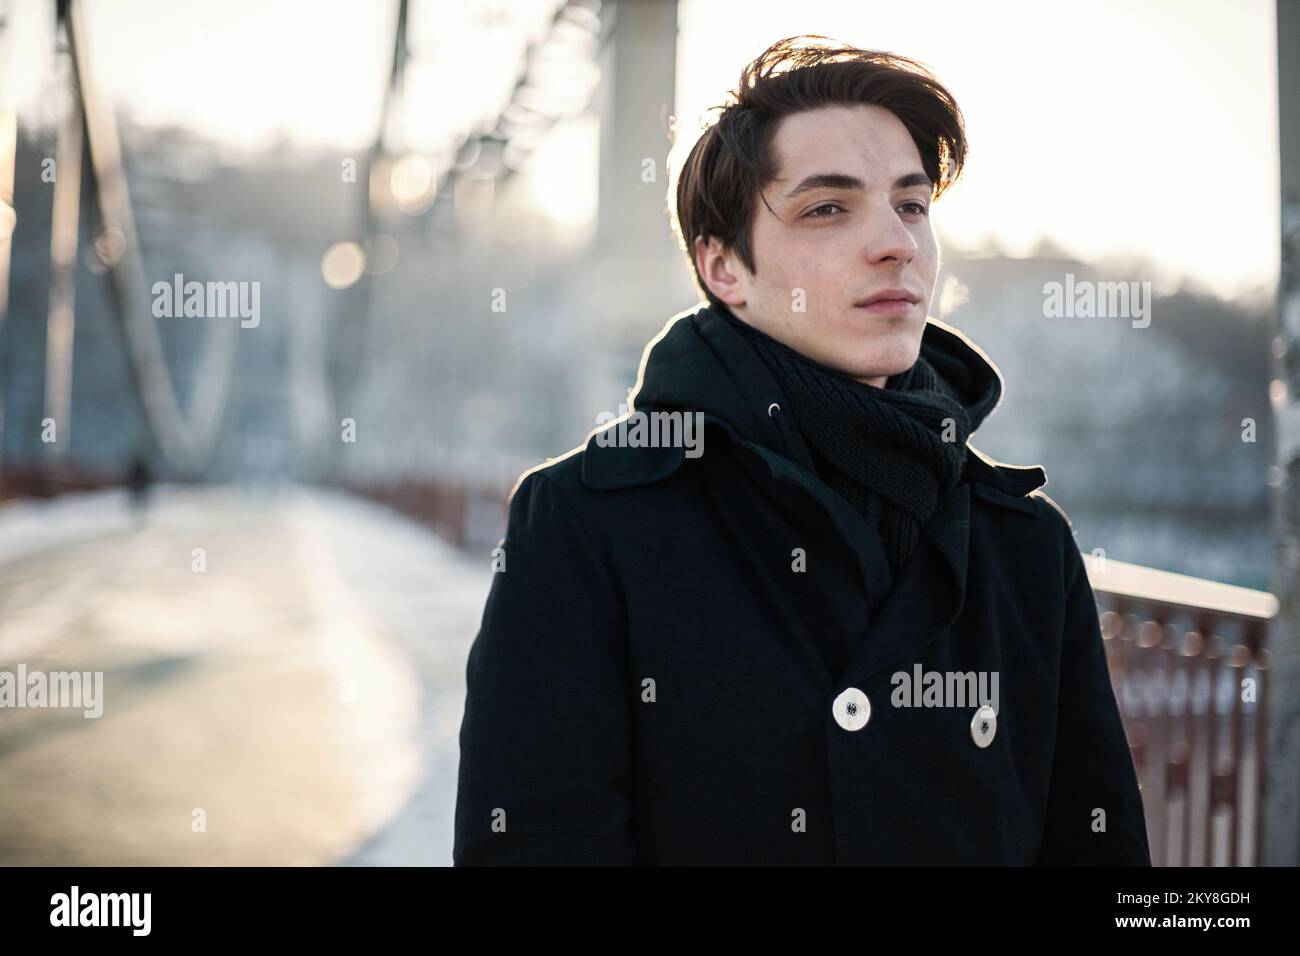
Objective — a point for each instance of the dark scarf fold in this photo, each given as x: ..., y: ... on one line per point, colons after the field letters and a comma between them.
x: 881, y: 448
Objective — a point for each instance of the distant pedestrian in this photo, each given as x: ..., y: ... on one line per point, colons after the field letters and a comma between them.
x: 137, y: 486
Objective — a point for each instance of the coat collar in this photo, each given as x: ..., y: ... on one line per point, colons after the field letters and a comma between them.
x: 608, y: 468
x: 698, y: 362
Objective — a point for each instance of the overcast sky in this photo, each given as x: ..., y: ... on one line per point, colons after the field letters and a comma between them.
x: 1113, y: 127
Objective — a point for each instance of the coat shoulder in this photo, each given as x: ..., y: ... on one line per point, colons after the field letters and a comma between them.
x: 1051, y: 528
x: 1036, y: 503
x: 563, y: 470
x: 603, y: 465
x: 1052, y: 510
x: 1072, y: 555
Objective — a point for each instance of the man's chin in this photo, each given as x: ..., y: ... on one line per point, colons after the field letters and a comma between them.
x: 879, y: 362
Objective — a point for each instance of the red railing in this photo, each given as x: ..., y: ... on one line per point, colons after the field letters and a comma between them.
x: 465, y: 515
x: 1189, y: 664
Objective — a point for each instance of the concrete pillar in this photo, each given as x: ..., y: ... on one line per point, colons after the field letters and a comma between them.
x: 638, y: 278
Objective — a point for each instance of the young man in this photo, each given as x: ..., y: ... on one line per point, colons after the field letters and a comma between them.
x: 840, y: 635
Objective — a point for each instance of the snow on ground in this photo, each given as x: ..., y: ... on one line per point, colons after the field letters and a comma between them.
x: 429, y: 599
x: 305, y: 689
x: 31, y: 525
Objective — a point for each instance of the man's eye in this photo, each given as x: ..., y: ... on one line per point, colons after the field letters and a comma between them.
x: 830, y: 205
x: 917, y: 208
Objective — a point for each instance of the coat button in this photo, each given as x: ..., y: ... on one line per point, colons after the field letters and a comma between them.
x: 984, y: 726
x: 852, y: 710
x: 773, y: 410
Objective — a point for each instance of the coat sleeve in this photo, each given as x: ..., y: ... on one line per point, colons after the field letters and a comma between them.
x: 545, y: 772
x: 1092, y: 768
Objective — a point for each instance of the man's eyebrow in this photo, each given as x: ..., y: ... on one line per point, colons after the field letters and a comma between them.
x: 845, y: 181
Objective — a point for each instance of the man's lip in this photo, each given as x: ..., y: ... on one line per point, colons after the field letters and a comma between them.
x: 890, y: 295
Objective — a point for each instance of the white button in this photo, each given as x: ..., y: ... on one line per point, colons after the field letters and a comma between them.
x: 984, y: 726
x: 852, y: 709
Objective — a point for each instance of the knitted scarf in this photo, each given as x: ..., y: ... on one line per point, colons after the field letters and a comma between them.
x: 882, y: 449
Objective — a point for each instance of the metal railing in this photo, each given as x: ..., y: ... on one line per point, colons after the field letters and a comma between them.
x: 1189, y: 664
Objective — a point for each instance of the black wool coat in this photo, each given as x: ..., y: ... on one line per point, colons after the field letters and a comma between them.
x: 695, y: 659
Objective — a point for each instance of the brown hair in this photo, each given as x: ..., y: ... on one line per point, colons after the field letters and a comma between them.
x: 732, y: 161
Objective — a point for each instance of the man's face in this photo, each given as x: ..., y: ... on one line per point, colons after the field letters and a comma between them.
x: 849, y: 219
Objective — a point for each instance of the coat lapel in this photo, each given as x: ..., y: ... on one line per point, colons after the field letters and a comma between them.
x: 931, y: 588
x: 928, y: 595
x: 867, y: 548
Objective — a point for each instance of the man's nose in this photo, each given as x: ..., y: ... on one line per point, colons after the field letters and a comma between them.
x: 887, y: 237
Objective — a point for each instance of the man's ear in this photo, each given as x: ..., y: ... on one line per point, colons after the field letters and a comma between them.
x: 718, y: 272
